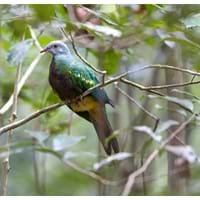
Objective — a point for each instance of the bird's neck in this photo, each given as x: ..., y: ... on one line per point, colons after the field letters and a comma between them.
x: 62, y: 61
x: 65, y: 56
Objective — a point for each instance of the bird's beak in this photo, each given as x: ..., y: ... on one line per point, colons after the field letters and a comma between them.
x: 43, y: 50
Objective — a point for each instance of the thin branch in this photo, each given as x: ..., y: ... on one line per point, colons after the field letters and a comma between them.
x: 152, y: 156
x: 15, y: 93
x: 159, y: 66
x: 87, y: 92
x: 29, y: 118
x: 34, y: 37
x: 79, y: 55
x: 91, y: 174
x: 6, y: 159
x: 162, y: 86
x: 138, y: 105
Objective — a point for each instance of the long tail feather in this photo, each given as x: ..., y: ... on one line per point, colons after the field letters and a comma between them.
x: 102, y: 126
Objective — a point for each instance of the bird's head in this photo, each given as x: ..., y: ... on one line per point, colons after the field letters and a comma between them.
x: 56, y: 48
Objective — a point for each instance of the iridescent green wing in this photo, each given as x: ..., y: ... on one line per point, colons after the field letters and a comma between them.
x: 82, y: 77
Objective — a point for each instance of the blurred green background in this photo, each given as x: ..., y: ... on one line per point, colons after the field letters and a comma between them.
x: 115, y: 38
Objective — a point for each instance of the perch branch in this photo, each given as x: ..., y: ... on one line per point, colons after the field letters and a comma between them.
x: 112, y: 80
x: 29, y: 118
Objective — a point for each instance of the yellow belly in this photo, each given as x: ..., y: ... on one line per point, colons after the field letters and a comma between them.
x: 86, y: 104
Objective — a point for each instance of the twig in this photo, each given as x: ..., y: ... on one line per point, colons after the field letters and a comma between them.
x: 5, y: 162
x: 79, y: 55
x: 29, y: 118
x: 15, y: 93
x: 162, y: 86
x: 34, y: 37
x: 137, y: 104
x: 152, y: 156
x: 91, y: 174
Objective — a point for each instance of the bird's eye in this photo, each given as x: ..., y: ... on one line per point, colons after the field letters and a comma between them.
x: 55, y: 46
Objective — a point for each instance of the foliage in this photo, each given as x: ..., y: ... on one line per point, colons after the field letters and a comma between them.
x: 57, y: 153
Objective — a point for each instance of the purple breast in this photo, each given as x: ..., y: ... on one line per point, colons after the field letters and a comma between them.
x: 62, y: 84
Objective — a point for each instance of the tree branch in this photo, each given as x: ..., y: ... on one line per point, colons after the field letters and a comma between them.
x: 29, y: 118
x: 152, y: 156
x: 6, y: 160
x: 140, y: 106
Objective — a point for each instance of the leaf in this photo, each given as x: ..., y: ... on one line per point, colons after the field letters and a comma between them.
x: 38, y: 135
x: 149, y: 132
x: 69, y: 155
x: 63, y: 141
x: 182, y: 112
x: 184, y: 41
x: 106, y: 8
x: 108, y: 160
x: 185, y: 152
x: 18, y: 52
x: 185, y: 93
x: 165, y: 125
x: 158, y: 106
x: 163, y: 35
x: 183, y: 102
x: 101, y: 15
x: 186, y: 103
x: 102, y: 29
x: 110, y: 61
x: 192, y: 21
x: 43, y: 12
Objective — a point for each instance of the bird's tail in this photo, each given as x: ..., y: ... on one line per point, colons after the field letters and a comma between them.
x: 101, y: 124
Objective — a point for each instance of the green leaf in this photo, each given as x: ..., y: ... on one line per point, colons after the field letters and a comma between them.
x: 110, y: 61
x: 63, y: 141
x: 43, y: 12
x: 182, y: 41
x: 108, y: 8
x: 18, y: 52
x: 19, y: 27
x: 192, y: 21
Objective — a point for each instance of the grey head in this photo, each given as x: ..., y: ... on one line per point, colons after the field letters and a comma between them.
x: 56, y: 48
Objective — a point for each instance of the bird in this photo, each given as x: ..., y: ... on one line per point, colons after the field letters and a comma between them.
x: 69, y: 77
